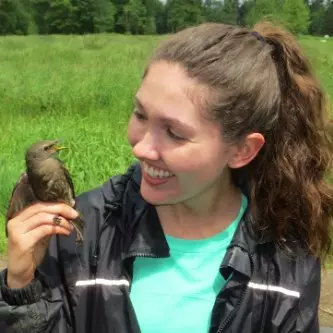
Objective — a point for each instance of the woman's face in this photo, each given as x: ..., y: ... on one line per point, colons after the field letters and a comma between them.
x: 182, y: 154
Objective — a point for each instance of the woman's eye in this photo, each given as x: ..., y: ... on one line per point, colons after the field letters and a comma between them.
x: 138, y: 115
x: 174, y: 136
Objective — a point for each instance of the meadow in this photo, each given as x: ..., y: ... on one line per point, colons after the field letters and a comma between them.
x: 81, y: 89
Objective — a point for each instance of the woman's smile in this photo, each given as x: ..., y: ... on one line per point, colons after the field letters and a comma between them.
x: 155, y: 176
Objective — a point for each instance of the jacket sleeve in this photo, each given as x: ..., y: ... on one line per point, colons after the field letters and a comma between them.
x: 304, y: 318
x: 38, y: 307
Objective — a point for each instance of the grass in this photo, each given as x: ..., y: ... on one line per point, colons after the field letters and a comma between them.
x: 80, y: 89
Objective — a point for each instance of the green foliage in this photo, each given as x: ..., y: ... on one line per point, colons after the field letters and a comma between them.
x: 229, y: 12
x: 317, y: 17
x: 150, y: 26
x: 103, y: 16
x: 328, y: 20
x: 293, y: 14
x: 13, y: 18
x: 158, y: 16
x: 244, y: 11
x: 183, y: 13
x: 223, y: 12
x: 263, y: 9
x: 296, y: 16
x: 55, y: 16
x: 135, y: 17
x: 95, y: 15
x: 213, y: 10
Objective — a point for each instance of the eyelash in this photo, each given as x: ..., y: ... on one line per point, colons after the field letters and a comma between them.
x: 172, y: 135
x: 138, y: 115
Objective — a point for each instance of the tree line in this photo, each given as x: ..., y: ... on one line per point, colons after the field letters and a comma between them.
x: 24, y: 17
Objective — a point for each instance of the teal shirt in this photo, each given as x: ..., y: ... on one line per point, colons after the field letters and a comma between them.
x: 177, y: 294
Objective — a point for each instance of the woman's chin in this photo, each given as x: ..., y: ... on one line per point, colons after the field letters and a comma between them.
x: 153, y: 198
x: 156, y: 197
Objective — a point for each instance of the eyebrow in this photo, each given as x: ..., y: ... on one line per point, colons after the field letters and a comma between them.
x: 170, y: 120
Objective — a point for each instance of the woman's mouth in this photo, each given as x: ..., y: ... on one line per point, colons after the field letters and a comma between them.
x: 154, y: 175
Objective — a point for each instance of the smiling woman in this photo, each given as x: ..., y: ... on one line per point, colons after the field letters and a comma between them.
x: 221, y: 224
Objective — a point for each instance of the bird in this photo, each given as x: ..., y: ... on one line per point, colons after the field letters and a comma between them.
x: 45, y: 179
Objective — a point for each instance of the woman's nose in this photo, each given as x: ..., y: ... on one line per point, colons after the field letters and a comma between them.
x: 145, y: 148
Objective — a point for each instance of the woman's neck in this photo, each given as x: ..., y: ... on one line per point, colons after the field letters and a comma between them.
x: 204, y: 215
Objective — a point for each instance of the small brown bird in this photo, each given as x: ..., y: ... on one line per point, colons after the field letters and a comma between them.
x: 46, y: 179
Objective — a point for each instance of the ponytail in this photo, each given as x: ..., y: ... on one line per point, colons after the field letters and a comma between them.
x: 293, y: 194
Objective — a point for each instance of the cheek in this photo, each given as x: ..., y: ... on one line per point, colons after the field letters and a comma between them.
x: 199, y: 161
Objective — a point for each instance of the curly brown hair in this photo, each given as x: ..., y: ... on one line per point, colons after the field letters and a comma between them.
x: 260, y: 81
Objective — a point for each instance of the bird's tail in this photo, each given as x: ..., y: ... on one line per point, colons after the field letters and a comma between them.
x: 78, y: 225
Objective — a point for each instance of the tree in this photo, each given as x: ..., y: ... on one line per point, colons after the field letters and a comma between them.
x: 40, y: 7
x: 134, y: 17
x: 104, y: 12
x: 226, y: 11
x: 296, y: 16
x: 183, y: 13
x: 328, y: 21
x: 95, y: 15
x: 155, y: 17
x: 61, y: 17
x: 55, y: 16
x: 263, y: 9
x: 121, y: 25
x: 161, y: 18
x: 317, y: 17
x: 13, y: 18
x: 244, y: 10
x: 229, y: 12
x: 213, y: 10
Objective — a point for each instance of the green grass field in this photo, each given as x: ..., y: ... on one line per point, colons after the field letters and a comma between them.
x: 80, y: 89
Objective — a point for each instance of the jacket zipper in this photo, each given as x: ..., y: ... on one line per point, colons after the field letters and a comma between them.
x: 229, y: 318
x: 141, y: 255
x: 93, y: 260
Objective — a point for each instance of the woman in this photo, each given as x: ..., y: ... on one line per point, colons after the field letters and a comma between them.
x: 221, y: 225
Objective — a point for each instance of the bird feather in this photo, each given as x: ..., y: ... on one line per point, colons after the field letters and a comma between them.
x: 21, y: 188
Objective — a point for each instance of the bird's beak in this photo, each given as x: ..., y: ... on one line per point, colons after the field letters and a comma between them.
x: 57, y: 147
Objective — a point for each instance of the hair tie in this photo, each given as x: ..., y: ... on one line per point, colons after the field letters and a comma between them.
x: 258, y: 36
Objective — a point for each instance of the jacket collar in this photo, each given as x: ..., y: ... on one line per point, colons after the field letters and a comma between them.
x: 147, y: 237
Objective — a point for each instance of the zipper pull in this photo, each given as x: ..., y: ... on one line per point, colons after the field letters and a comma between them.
x: 93, y: 264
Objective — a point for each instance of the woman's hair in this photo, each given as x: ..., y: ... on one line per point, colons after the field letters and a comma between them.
x: 260, y: 81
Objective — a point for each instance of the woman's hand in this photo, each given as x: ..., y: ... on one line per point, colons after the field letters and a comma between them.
x: 29, y: 233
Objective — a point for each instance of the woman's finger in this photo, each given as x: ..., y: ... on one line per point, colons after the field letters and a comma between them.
x: 43, y: 218
x: 47, y: 207
x: 44, y: 230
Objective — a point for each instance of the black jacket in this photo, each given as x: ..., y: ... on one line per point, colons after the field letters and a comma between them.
x: 88, y: 289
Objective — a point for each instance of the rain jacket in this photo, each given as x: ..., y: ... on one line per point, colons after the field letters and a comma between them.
x: 87, y: 290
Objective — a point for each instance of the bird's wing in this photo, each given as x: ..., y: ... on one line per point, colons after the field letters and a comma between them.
x: 22, y: 195
x: 69, y: 180
x: 77, y: 223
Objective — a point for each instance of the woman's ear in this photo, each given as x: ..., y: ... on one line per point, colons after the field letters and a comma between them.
x: 246, y: 150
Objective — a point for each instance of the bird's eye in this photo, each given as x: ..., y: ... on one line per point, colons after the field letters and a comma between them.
x: 46, y: 148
